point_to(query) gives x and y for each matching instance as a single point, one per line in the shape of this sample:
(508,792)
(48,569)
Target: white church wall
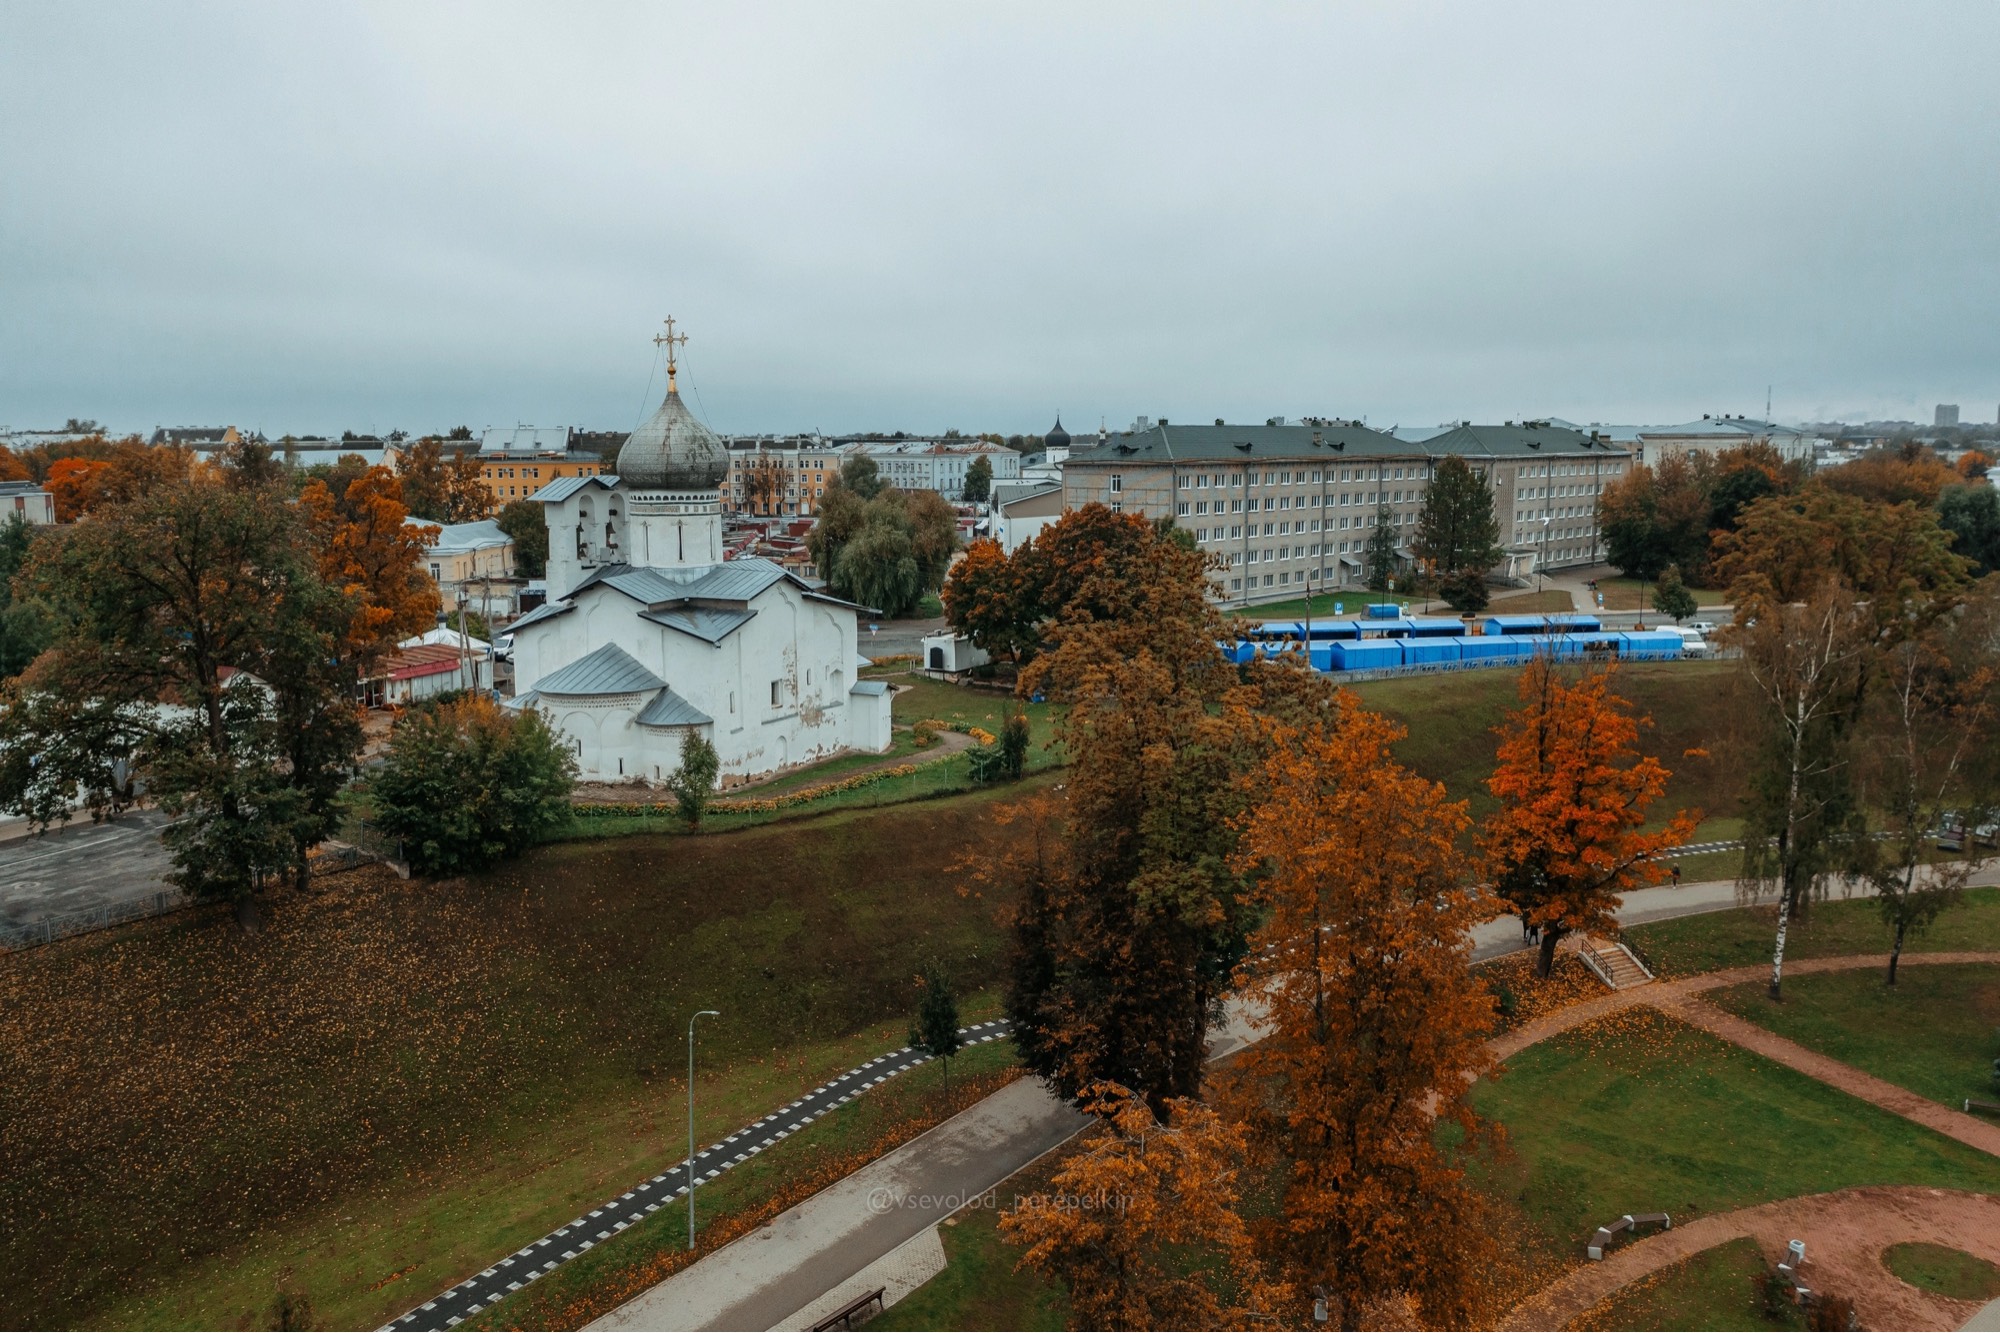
(804,647)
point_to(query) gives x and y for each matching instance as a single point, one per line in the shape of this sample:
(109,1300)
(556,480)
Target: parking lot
(81,867)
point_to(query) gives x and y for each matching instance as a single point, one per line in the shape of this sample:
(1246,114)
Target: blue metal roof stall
(1365,654)
(1434,627)
(1425,652)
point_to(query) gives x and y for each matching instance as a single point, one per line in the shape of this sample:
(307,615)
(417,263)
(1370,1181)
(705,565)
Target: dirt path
(1665,994)
(1969,1130)
(1840,1228)
(1845,1234)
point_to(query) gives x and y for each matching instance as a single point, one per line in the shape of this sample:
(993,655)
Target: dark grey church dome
(672,451)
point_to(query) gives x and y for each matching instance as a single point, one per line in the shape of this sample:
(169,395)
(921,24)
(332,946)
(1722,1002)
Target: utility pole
(705,1013)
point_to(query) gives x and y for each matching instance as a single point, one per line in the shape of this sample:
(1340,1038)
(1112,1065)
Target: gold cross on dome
(670,340)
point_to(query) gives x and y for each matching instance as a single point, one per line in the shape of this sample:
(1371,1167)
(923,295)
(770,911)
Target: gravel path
(1845,1234)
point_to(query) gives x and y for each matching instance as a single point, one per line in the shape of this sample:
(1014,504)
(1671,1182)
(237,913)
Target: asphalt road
(81,867)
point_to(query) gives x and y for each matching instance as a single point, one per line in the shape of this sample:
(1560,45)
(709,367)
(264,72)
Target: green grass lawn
(1622,594)
(979,1287)
(605,1276)
(1451,717)
(396,1082)
(1939,1268)
(1936,1033)
(1645,1114)
(1354,604)
(1530,603)
(1715,940)
(1709,1290)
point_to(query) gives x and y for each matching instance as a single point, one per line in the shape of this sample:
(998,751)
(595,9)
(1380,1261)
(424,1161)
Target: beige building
(1287,507)
(772,477)
(476,559)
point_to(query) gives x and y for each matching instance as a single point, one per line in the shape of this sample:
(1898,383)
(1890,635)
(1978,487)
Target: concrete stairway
(1613,963)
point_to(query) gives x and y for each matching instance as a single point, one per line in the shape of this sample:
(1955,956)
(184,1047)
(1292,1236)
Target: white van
(1692,644)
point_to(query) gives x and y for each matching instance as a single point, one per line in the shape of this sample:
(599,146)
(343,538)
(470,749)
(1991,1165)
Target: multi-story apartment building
(517,461)
(779,476)
(938,465)
(1292,506)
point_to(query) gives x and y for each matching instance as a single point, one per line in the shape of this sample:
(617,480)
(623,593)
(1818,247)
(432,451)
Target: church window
(777,692)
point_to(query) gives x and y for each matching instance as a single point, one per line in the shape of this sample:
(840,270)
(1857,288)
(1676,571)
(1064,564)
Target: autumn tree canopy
(443,487)
(1376,1023)
(1085,566)
(364,548)
(1128,1210)
(1126,933)
(1574,790)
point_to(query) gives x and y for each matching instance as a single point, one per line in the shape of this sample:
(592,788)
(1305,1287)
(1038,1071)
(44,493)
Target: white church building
(650,636)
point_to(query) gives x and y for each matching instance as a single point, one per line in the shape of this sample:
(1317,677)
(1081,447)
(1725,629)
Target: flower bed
(765,805)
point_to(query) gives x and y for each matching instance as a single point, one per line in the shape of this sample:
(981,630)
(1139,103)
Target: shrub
(1014,743)
(468,784)
(694,781)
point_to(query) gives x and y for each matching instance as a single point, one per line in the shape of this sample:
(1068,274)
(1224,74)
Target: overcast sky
(308,217)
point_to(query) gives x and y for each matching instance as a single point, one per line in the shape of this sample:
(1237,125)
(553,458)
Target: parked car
(1701,627)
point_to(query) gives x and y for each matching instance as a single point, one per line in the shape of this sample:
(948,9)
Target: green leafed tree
(24,626)
(693,782)
(979,481)
(1972,515)
(198,640)
(935,1030)
(1671,596)
(524,521)
(467,785)
(860,475)
(1381,555)
(1458,538)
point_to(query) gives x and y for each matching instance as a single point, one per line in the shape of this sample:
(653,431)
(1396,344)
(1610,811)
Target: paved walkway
(818,1256)
(1492,939)
(1844,1232)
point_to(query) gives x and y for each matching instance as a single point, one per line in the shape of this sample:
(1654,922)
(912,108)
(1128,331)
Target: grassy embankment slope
(394,1083)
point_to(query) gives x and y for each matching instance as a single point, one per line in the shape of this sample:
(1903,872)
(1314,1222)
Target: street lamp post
(705,1013)
(1542,561)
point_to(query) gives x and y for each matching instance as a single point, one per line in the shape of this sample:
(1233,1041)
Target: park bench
(845,1316)
(1630,1222)
(1984,1108)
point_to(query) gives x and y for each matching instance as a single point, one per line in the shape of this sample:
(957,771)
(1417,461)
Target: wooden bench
(845,1316)
(1630,1222)
(1984,1108)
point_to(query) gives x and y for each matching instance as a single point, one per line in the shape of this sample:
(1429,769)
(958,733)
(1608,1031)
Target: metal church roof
(563,487)
(608,670)
(670,710)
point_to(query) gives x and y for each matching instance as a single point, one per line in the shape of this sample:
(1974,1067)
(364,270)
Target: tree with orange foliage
(1376,1024)
(1974,464)
(366,549)
(11,466)
(1913,474)
(72,484)
(443,488)
(984,600)
(1565,842)
(1142,1226)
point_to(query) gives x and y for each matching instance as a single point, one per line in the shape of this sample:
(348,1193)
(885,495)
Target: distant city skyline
(379,216)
